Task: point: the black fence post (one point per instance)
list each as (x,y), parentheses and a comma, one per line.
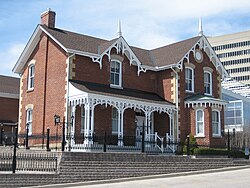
(188,145)
(1,139)
(228,144)
(27,138)
(63,135)
(105,142)
(143,139)
(14,152)
(47,144)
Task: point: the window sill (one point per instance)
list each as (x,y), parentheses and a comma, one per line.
(208,94)
(187,91)
(216,136)
(199,136)
(116,87)
(30,90)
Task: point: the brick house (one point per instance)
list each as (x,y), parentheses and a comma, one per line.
(9,101)
(109,86)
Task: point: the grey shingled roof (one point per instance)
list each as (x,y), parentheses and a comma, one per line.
(9,84)
(126,93)
(166,55)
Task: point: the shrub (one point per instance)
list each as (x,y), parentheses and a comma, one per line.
(193,145)
(219,151)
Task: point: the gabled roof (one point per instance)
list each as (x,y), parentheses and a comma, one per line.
(173,53)
(157,59)
(75,41)
(9,87)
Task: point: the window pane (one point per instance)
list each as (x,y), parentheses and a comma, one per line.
(112,78)
(116,79)
(189,79)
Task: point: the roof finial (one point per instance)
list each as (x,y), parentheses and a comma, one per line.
(200,27)
(119,30)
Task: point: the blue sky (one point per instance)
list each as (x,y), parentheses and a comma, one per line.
(145,23)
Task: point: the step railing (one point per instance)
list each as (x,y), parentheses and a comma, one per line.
(170,143)
(159,142)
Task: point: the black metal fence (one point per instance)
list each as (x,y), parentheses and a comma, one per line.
(43,162)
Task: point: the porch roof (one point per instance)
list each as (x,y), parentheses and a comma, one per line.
(200,99)
(124,93)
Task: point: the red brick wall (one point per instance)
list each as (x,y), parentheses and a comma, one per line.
(55,87)
(88,71)
(164,84)
(187,116)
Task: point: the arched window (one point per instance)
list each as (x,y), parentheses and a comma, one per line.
(199,122)
(216,126)
(29,112)
(208,83)
(31,75)
(189,79)
(115,73)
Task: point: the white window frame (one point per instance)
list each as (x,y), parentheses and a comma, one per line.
(119,73)
(199,134)
(29,119)
(31,76)
(114,121)
(82,118)
(192,79)
(218,124)
(208,83)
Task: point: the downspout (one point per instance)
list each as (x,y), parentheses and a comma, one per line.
(45,88)
(68,62)
(176,103)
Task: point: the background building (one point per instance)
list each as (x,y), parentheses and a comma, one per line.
(234,53)
(237,111)
(9,100)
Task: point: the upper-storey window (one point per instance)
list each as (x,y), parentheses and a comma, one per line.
(189,79)
(208,82)
(115,73)
(31,75)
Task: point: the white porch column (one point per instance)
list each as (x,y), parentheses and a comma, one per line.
(145,128)
(92,118)
(87,126)
(120,127)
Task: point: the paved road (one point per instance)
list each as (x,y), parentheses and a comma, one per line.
(237,178)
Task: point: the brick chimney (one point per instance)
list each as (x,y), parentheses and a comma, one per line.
(48,18)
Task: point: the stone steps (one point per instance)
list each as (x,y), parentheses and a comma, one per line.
(76,167)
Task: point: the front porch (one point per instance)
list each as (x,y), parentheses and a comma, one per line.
(120,121)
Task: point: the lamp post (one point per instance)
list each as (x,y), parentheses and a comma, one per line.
(57,122)
(27,136)
(69,136)
(1,139)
